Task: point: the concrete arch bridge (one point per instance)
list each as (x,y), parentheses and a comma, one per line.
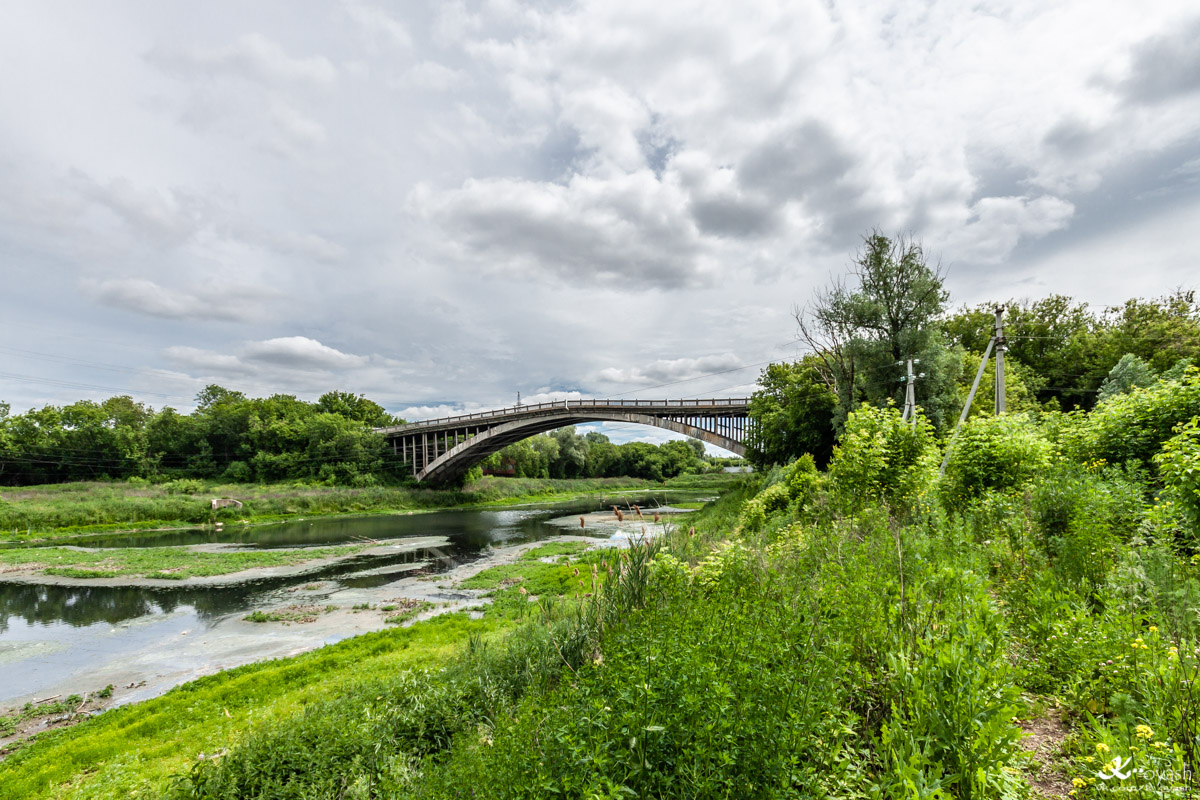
(444,449)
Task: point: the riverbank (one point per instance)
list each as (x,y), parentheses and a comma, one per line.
(190,566)
(34,513)
(137,746)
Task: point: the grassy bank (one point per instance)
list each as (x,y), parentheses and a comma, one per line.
(138,749)
(160,563)
(63,509)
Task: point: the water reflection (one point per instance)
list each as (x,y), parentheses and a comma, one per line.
(468,534)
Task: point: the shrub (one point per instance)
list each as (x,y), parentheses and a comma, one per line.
(882,457)
(993,453)
(1134,426)
(1081,514)
(184,486)
(1179,466)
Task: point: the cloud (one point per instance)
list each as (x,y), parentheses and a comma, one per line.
(252,57)
(164,217)
(210,362)
(217,302)
(432,77)
(587,230)
(1163,67)
(668,370)
(997,224)
(377,24)
(300,352)
(297,128)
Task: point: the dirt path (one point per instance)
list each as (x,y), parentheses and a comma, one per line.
(1043,739)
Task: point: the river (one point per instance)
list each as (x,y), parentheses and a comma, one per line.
(62,637)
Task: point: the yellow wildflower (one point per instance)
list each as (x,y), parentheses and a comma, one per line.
(1102,748)
(1143,732)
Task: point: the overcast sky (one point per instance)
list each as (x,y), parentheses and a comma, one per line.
(441,204)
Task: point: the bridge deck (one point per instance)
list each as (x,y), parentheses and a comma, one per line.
(722,406)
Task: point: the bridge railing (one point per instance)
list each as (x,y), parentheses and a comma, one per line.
(717,402)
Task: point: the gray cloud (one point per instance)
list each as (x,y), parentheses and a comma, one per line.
(229,303)
(252,57)
(300,352)
(675,369)
(1164,67)
(586,230)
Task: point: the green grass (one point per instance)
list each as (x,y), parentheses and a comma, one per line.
(170,563)
(288,614)
(140,750)
(138,747)
(408,609)
(32,512)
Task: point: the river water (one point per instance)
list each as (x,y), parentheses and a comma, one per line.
(71,638)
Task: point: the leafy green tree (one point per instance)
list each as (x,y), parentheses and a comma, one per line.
(1160,331)
(1059,340)
(356,407)
(572,453)
(1128,373)
(859,332)
(791,413)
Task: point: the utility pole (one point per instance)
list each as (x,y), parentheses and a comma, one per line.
(1001,345)
(910,397)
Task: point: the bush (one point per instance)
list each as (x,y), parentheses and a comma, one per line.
(882,457)
(184,486)
(1179,466)
(1081,514)
(992,453)
(1134,426)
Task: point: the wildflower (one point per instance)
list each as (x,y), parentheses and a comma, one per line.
(1143,732)
(1102,748)
(1078,783)
(1154,629)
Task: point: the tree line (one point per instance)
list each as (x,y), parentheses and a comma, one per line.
(1062,354)
(235,438)
(565,453)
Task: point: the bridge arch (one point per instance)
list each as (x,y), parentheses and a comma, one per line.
(457,460)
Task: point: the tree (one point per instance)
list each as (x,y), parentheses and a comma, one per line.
(858,333)
(1129,372)
(792,413)
(356,407)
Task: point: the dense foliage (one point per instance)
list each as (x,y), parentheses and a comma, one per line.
(565,453)
(237,439)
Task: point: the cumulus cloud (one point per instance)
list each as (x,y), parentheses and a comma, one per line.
(431,76)
(300,352)
(667,370)
(998,224)
(212,302)
(160,216)
(589,186)
(251,57)
(206,361)
(377,25)
(295,127)
(589,229)
(1164,67)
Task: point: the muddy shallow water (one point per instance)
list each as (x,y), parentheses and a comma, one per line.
(63,636)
